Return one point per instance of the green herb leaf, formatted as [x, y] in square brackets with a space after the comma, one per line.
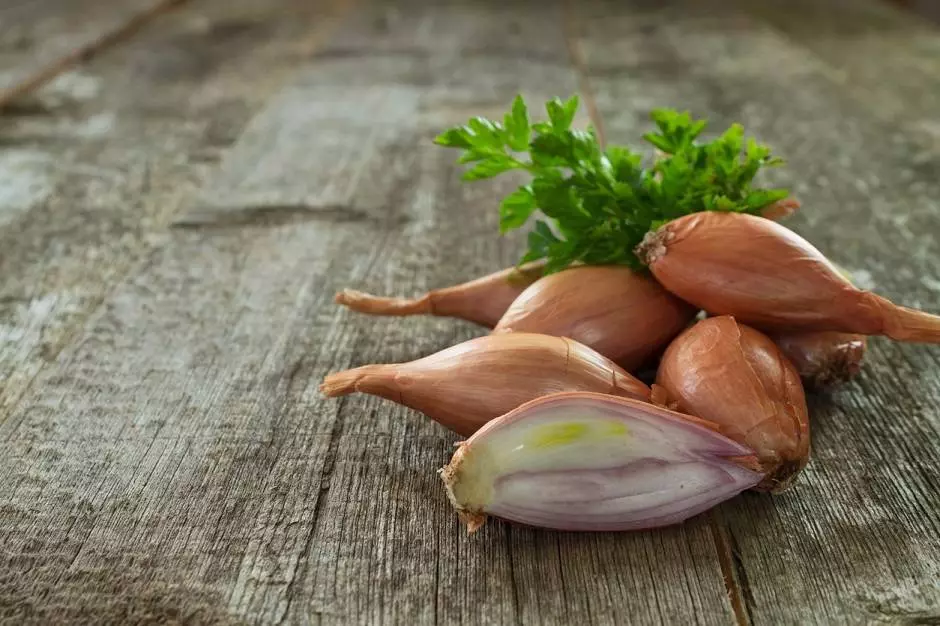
[492, 166]
[515, 209]
[599, 203]
[517, 125]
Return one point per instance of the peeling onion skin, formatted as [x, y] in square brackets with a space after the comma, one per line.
[465, 386]
[593, 462]
[736, 377]
[781, 209]
[823, 359]
[483, 300]
[624, 315]
[767, 276]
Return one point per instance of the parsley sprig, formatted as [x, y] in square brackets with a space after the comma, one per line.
[600, 202]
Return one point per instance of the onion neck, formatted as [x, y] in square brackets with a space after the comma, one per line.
[903, 324]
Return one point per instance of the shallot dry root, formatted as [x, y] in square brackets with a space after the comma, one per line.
[737, 378]
[467, 385]
[587, 461]
[767, 276]
[823, 358]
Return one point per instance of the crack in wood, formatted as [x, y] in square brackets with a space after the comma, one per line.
[732, 570]
[85, 52]
[271, 215]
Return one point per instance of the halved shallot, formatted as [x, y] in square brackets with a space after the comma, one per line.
[465, 386]
[588, 461]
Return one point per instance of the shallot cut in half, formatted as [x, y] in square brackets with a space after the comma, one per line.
[767, 276]
[626, 316]
[823, 358]
[737, 378]
[593, 462]
[483, 300]
[465, 386]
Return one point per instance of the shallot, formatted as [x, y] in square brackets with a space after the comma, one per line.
[823, 358]
[768, 276]
[588, 461]
[737, 378]
[467, 385]
[483, 300]
[622, 314]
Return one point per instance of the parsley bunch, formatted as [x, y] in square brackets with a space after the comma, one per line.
[600, 202]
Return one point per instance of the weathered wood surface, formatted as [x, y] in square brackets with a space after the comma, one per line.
[856, 541]
[164, 453]
[38, 38]
[889, 58]
[96, 167]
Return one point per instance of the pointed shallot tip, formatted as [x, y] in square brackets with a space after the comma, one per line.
[653, 246]
[339, 384]
[781, 209]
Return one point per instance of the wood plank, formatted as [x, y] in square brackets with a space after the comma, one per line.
[885, 56]
[185, 420]
[99, 164]
[42, 38]
[855, 541]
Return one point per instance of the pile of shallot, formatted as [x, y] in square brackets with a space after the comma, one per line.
[734, 313]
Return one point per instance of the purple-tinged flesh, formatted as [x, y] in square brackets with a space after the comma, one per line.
[588, 461]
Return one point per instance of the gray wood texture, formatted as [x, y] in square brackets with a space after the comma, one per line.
[856, 540]
[186, 204]
[40, 38]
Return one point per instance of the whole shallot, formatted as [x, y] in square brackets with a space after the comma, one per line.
[588, 461]
[467, 385]
[622, 314]
[823, 358]
[737, 378]
[768, 276]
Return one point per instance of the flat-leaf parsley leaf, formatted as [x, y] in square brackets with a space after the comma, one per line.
[598, 203]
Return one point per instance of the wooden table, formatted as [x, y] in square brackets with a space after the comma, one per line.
[186, 184]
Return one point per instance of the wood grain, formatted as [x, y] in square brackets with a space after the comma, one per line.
[855, 541]
[42, 38]
[164, 453]
[884, 56]
[184, 421]
[99, 164]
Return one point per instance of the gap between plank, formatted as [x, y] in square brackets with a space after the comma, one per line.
[723, 546]
[725, 553]
[85, 52]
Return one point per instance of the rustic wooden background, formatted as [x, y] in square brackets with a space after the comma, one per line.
[185, 184]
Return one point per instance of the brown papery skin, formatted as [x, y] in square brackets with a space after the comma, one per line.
[767, 276]
[467, 385]
[483, 300]
[781, 209]
[823, 358]
[624, 315]
[736, 377]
